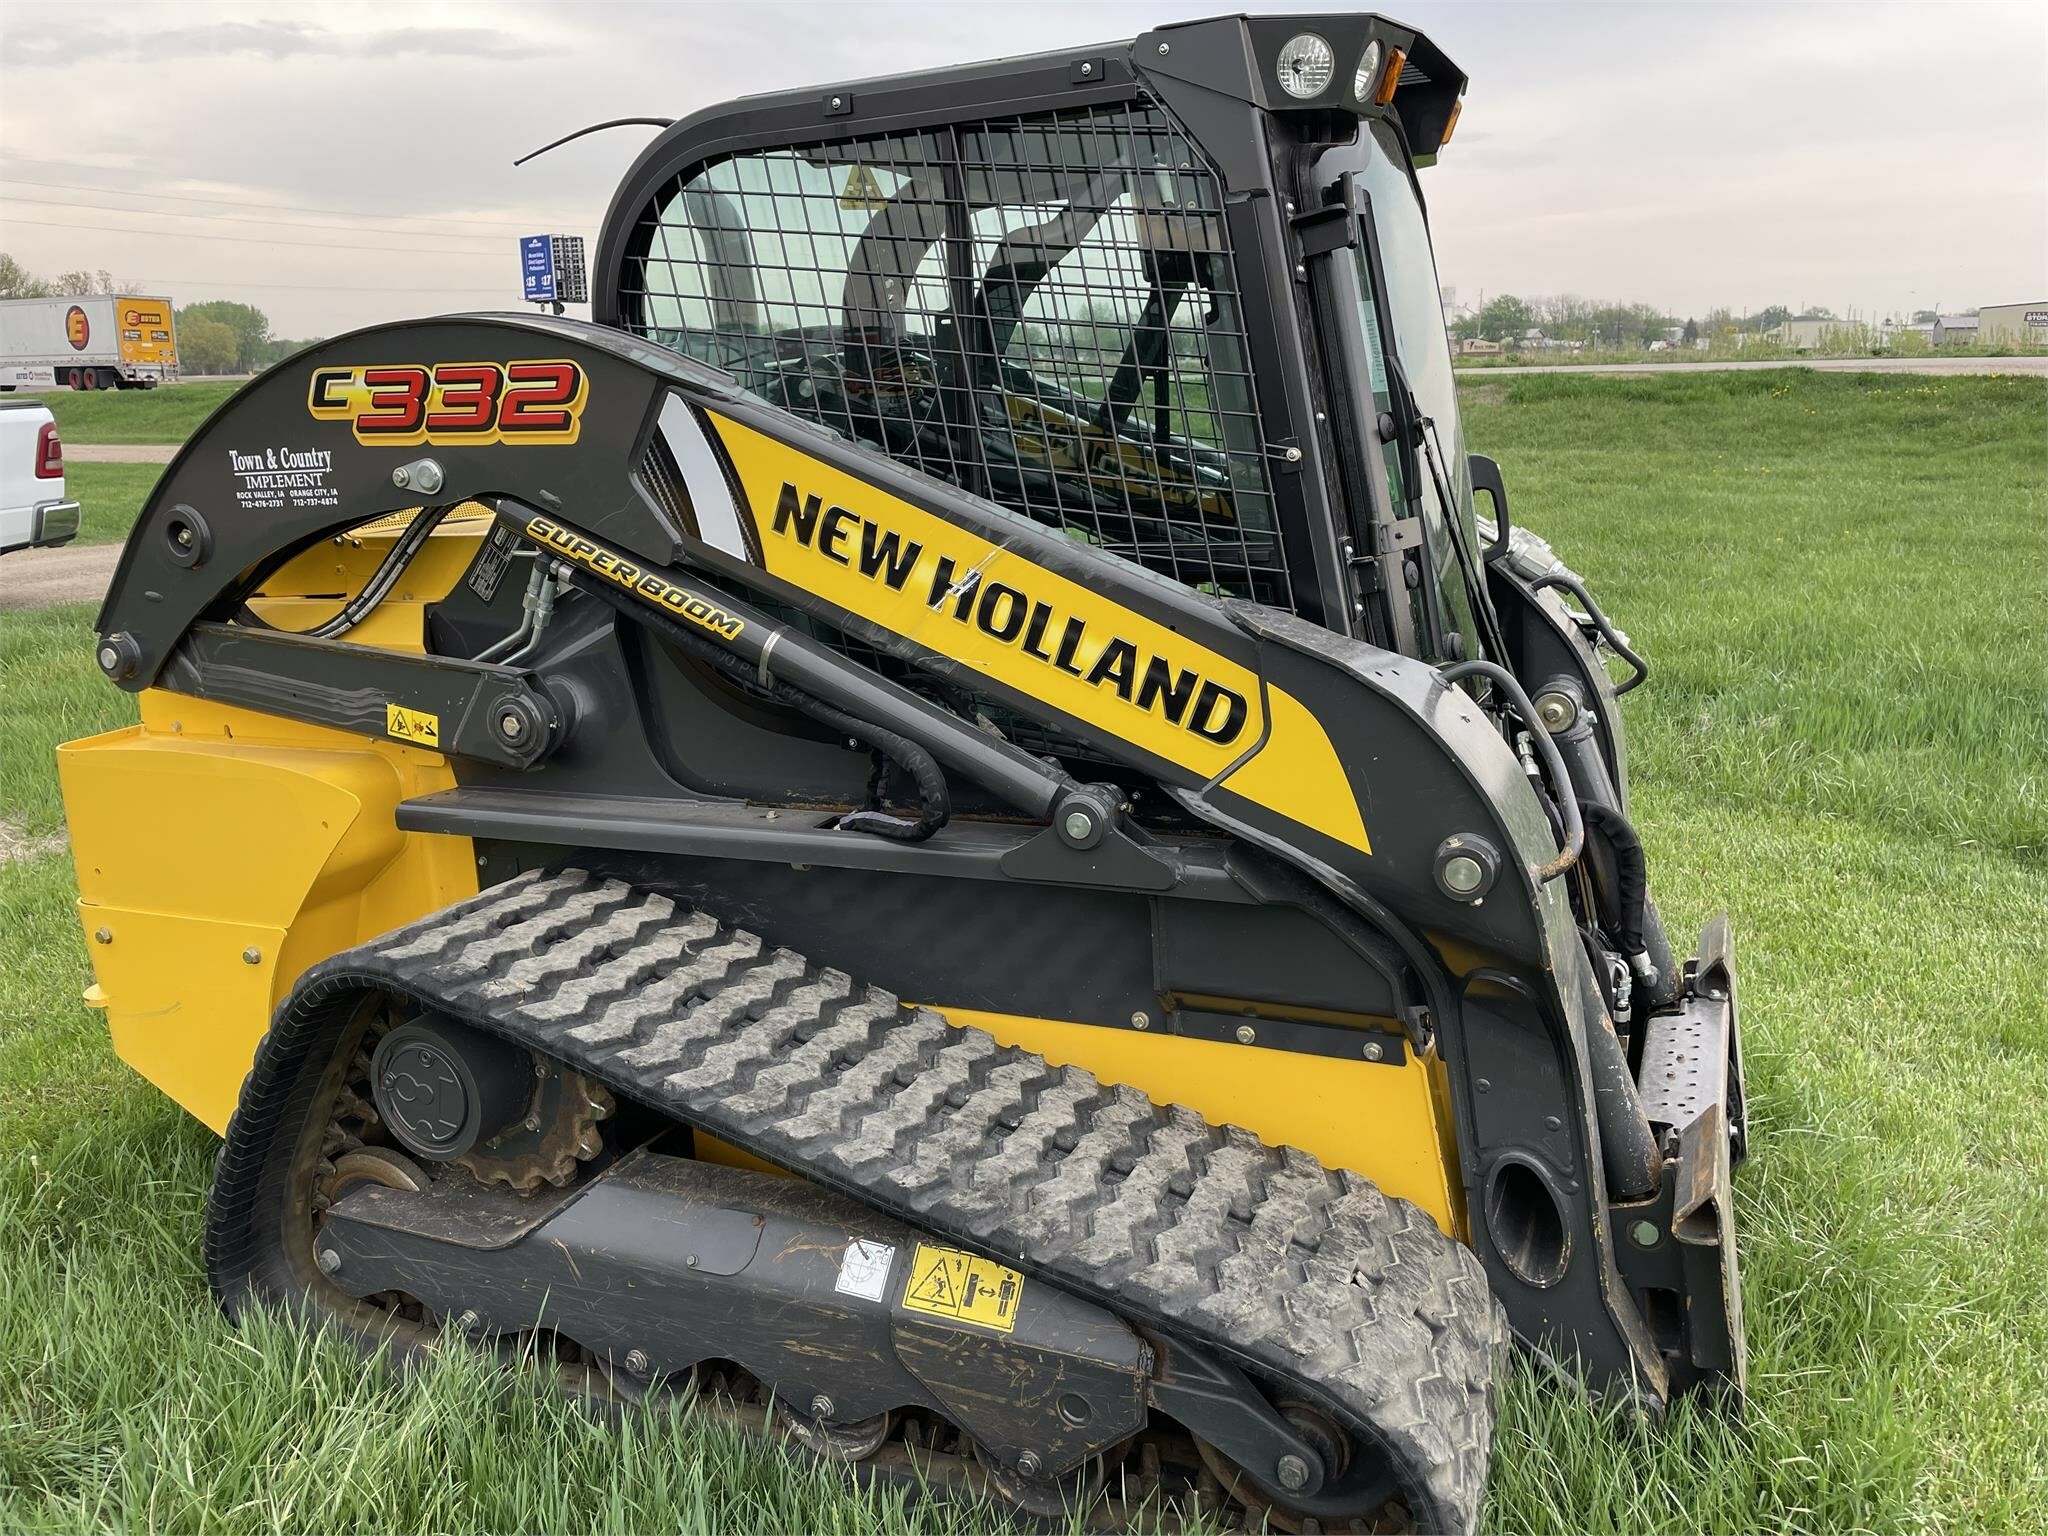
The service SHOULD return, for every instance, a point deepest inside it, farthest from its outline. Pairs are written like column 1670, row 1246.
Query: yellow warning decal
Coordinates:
column 414, row 725
column 945, row 1282
column 862, row 192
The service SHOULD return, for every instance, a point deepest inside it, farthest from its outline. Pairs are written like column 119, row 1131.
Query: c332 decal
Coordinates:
column 1043, row 634
column 656, row 589
column 400, row 405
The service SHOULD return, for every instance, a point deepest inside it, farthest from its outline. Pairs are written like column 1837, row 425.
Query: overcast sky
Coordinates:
column 1863, row 156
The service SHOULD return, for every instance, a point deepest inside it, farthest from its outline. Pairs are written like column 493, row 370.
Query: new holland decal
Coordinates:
column 1037, row 627
column 641, row 582
column 401, row 405
column 1043, row 634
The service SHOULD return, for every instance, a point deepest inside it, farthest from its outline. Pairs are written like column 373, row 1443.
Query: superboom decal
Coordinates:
column 1038, row 632
column 400, row 405
column 637, row 579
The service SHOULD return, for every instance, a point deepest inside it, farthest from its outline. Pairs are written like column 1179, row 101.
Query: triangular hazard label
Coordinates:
column 861, row 190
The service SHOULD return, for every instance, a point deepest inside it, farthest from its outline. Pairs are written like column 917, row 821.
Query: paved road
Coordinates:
column 43, row 578
column 119, row 453
column 1940, row 365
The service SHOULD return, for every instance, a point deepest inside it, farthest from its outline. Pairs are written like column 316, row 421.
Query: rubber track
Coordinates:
column 1311, row 1278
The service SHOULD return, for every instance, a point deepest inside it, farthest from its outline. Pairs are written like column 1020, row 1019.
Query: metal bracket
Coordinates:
column 1323, row 230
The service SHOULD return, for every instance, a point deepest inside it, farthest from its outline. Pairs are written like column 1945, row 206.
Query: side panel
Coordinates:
column 1388, row 1123
column 221, row 853
column 993, row 611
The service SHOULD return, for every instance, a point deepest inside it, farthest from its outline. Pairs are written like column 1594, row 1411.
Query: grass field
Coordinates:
column 109, row 497
column 1841, row 582
column 165, row 415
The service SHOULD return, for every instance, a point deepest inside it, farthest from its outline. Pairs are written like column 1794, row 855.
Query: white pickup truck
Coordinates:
column 34, row 511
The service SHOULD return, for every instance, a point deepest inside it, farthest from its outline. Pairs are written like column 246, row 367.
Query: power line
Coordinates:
column 310, row 245
column 229, row 218
column 236, row 282
column 237, row 202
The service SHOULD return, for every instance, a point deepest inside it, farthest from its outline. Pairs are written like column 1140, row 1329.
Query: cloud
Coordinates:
column 64, row 45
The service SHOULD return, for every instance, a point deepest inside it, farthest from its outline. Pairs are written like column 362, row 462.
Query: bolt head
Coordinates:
column 1292, row 455
column 1463, row 874
column 1643, row 1234
column 1139, row 1020
column 821, row 1407
column 1087, row 70
column 1557, row 711
column 466, row 1322
column 401, row 477
column 1028, row 1464
column 1164, row 49
column 1079, row 824
column 103, row 935
column 252, row 956
column 1372, row 1050
column 184, row 538
column 427, row 475
column 510, row 726
column 1291, row 1472
column 1246, row 1034
column 329, row 1261
column 637, row 1362
column 109, row 658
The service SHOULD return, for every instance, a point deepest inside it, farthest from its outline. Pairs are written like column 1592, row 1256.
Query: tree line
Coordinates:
column 1567, row 317
column 215, row 336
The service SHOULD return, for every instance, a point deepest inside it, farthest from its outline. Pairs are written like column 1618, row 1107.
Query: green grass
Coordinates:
column 1839, row 579
column 165, row 415
column 109, row 497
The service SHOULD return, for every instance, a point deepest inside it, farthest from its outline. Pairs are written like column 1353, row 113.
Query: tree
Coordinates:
column 251, row 328
column 1692, row 331
column 1920, row 316
column 205, row 345
column 82, row 281
column 1504, row 318
column 17, row 282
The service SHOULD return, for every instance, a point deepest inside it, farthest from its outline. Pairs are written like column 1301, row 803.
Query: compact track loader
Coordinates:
column 946, row 832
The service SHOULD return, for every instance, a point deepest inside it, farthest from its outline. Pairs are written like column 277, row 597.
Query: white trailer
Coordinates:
column 87, row 341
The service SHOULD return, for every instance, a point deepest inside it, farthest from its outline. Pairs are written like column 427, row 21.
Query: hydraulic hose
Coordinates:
column 935, row 806
column 1608, row 632
column 396, row 559
column 1631, row 872
column 1553, row 765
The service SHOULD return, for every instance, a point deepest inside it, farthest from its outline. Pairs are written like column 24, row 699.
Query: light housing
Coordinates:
column 1397, row 60
column 1368, row 71
column 1451, row 127
column 1305, row 66
column 49, row 452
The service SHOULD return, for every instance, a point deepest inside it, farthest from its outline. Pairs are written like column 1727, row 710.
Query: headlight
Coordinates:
column 1368, row 71
column 1306, row 64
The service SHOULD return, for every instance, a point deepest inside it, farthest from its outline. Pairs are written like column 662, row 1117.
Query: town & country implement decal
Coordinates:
column 400, row 405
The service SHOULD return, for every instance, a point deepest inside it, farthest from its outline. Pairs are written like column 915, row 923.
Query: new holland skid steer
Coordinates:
column 946, row 832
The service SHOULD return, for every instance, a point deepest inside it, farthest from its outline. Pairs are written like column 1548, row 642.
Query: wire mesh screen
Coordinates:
column 1040, row 310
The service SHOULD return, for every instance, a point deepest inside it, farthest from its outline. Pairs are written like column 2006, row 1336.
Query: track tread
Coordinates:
column 1310, row 1276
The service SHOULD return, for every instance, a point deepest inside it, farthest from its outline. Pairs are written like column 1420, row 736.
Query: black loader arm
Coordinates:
column 556, row 414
